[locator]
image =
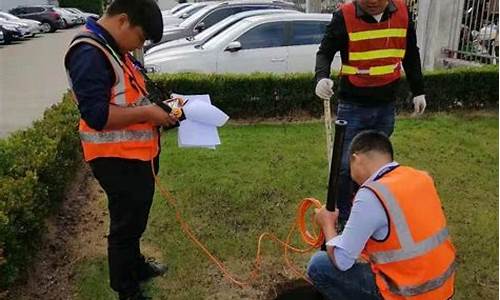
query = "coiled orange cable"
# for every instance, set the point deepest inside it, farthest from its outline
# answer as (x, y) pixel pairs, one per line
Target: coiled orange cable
(314, 240)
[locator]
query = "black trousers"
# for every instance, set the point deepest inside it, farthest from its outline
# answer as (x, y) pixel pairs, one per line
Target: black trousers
(129, 185)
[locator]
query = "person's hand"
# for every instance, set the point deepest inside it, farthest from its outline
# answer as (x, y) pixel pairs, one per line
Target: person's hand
(326, 218)
(159, 117)
(419, 104)
(324, 88)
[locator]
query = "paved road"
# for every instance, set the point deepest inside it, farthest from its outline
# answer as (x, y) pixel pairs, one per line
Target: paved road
(32, 78)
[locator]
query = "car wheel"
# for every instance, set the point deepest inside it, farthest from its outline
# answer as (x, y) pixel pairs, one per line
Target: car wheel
(46, 27)
(64, 24)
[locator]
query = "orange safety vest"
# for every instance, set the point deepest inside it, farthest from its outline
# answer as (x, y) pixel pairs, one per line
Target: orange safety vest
(136, 141)
(375, 50)
(417, 259)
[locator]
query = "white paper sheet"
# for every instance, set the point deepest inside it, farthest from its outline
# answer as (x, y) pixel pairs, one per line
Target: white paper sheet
(206, 113)
(193, 133)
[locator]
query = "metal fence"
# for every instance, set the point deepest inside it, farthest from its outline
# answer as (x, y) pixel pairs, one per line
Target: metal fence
(477, 41)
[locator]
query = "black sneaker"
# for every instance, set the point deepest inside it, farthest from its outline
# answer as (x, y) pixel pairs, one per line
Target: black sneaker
(151, 269)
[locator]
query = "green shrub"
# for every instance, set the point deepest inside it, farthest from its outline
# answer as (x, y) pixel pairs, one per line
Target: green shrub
(91, 6)
(265, 95)
(35, 166)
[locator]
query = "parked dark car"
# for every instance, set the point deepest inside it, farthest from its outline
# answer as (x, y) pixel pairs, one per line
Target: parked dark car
(50, 19)
(214, 13)
(10, 34)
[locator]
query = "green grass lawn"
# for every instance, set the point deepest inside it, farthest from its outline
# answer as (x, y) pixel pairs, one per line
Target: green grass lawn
(255, 179)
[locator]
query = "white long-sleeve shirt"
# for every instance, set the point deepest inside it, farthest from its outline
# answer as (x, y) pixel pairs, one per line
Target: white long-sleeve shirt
(368, 219)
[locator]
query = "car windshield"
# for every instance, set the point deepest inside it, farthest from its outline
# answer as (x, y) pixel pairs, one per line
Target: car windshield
(180, 7)
(215, 40)
(189, 11)
(7, 16)
(217, 28)
(213, 31)
(196, 16)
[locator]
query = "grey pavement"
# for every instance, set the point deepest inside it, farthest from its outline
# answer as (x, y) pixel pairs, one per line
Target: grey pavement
(32, 78)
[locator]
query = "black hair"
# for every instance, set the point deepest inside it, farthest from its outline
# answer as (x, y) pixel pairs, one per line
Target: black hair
(143, 13)
(371, 140)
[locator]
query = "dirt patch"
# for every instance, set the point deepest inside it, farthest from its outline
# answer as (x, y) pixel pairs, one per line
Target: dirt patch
(75, 233)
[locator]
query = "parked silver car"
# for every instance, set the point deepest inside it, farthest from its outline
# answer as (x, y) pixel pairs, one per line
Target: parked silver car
(214, 13)
(34, 26)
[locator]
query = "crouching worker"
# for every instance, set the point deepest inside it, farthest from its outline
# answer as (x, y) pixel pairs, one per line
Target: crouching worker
(119, 130)
(397, 227)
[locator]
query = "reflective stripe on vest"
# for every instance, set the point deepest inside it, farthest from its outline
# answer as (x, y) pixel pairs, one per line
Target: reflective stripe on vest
(414, 290)
(376, 54)
(118, 89)
(380, 70)
(409, 249)
(116, 136)
(377, 34)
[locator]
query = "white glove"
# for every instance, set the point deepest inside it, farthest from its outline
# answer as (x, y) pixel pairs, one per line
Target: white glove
(419, 104)
(324, 88)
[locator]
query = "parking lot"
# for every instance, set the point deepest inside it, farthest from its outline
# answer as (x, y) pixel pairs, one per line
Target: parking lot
(32, 78)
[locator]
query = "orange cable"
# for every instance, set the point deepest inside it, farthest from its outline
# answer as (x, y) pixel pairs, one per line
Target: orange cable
(314, 240)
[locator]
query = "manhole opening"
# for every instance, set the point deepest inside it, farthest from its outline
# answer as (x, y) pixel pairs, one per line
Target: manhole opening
(296, 290)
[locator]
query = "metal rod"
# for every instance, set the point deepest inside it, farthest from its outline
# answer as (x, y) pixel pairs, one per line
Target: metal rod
(328, 130)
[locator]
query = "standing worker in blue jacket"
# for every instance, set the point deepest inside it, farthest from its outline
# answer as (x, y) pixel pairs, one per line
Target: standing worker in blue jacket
(119, 130)
(376, 39)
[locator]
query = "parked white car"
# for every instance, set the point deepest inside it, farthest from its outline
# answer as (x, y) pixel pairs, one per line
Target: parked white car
(33, 26)
(83, 15)
(216, 29)
(176, 8)
(69, 19)
(23, 29)
(282, 43)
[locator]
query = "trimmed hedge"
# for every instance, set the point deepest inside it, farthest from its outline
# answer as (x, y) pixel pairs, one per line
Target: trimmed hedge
(35, 166)
(265, 95)
(90, 6)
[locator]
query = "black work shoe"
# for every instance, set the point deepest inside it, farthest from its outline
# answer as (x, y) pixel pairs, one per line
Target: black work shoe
(136, 296)
(151, 269)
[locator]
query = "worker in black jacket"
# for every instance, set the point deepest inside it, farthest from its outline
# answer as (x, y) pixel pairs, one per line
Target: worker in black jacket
(376, 40)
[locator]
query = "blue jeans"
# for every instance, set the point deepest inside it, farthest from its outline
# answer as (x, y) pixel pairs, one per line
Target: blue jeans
(357, 283)
(358, 118)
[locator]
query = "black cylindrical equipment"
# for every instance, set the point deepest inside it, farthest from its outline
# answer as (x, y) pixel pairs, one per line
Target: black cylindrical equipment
(333, 183)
